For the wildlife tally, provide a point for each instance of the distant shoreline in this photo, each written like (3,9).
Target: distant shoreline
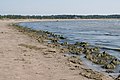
(112,16)
(57,20)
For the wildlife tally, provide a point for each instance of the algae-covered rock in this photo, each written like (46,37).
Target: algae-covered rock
(87,51)
(105,56)
(75,60)
(115,61)
(82,44)
(90,74)
(64,43)
(101,62)
(96,49)
(61,37)
(54,40)
(89,56)
(110,66)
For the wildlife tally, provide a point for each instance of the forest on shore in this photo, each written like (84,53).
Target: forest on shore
(60,17)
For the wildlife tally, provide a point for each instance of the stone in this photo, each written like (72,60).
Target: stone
(115,61)
(110,66)
(118,78)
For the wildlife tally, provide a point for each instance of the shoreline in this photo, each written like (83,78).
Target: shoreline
(83,45)
(67,51)
(83,72)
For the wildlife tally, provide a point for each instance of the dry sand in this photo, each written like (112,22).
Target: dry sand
(20,63)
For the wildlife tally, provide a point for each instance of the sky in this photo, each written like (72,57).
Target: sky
(59,7)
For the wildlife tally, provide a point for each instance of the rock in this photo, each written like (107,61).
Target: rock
(96,49)
(109,71)
(118,78)
(101,62)
(75,51)
(110,66)
(104,56)
(61,37)
(87,51)
(99,55)
(90,74)
(82,44)
(54,41)
(115,61)
(75,60)
(89,56)
(64,50)
(64,44)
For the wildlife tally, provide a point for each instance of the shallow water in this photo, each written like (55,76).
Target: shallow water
(103,33)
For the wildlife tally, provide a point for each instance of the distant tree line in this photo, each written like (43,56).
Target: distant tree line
(60,17)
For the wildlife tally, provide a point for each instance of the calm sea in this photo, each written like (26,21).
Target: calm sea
(102,33)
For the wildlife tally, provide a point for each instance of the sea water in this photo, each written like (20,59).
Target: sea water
(102,33)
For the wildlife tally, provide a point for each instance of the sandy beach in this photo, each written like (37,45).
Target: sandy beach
(18,62)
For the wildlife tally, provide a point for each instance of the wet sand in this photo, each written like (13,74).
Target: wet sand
(44,63)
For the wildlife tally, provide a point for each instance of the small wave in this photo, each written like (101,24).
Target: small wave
(109,48)
(97,33)
(108,45)
(102,42)
(111,35)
